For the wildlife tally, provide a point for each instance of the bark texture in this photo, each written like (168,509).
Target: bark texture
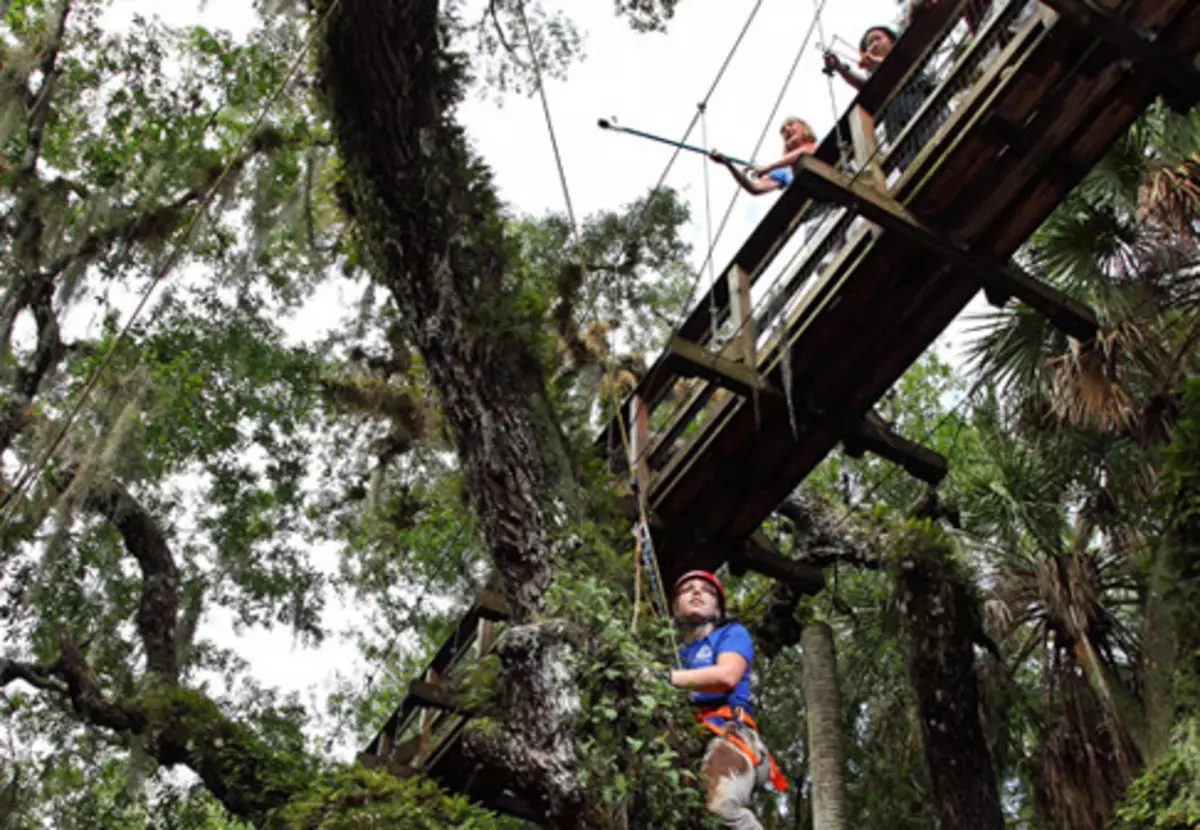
(429,219)
(939,622)
(827,755)
(430,224)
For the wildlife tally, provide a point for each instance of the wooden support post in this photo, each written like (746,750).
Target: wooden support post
(428,715)
(484,634)
(387,738)
(822,181)
(862,136)
(639,441)
(1179,78)
(742,347)
(693,360)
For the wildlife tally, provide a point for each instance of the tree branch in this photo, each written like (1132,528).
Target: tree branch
(39,677)
(158,609)
(85,694)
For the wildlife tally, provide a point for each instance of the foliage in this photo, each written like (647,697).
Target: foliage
(352,798)
(638,749)
(1165,795)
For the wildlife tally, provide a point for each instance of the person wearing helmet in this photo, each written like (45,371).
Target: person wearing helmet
(715,666)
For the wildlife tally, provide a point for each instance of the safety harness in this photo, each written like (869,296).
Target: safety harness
(735,718)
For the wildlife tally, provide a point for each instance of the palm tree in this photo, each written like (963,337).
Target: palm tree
(1065,597)
(1125,243)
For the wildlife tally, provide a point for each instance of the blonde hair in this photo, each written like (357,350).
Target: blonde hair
(808,134)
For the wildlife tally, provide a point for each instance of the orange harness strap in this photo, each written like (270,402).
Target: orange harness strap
(740,717)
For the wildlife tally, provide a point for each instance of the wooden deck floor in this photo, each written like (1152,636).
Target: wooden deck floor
(1023,110)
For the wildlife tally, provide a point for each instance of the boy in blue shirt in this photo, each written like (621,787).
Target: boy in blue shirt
(715,660)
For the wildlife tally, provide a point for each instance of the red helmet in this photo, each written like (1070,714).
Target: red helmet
(707,577)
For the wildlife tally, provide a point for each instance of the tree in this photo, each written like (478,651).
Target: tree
(822,709)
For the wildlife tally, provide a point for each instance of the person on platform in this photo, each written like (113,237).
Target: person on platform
(715,663)
(874,47)
(798,139)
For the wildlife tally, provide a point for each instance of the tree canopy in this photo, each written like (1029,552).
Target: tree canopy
(186,431)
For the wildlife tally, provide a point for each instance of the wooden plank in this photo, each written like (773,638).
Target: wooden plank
(1173,72)
(825,182)
(690,359)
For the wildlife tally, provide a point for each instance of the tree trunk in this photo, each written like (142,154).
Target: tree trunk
(939,619)
(827,756)
(430,223)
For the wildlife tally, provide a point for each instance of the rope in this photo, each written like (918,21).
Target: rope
(31,471)
(729,209)
(837,121)
(712,276)
(645,544)
(695,118)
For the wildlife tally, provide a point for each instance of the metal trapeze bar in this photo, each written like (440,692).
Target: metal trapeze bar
(823,181)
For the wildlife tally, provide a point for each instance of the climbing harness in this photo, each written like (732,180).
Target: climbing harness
(737,718)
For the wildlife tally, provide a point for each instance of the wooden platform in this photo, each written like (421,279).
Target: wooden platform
(1021,111)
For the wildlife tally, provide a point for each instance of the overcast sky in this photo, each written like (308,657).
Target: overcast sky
(651,82)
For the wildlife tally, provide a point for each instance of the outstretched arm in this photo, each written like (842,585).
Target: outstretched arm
(755,187)
(788,159)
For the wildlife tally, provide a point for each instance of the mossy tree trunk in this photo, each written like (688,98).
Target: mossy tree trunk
(429,220)
(939,623)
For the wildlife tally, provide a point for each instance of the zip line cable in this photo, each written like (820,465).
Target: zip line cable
(695,118)
(644,542)
(30,471)
(712,275)
(729,209)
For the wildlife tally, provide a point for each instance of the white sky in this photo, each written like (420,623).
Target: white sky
(651,82)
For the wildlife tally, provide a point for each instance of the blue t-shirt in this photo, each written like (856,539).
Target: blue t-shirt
(783,175)
(697,654)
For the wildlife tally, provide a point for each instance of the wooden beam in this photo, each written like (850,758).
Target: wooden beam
(1180,79)
(491,605)
(823,181)
(687,358)
(742,314)
(875,435)
(639,440)
(872,433)
(760,554)
(435,696)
